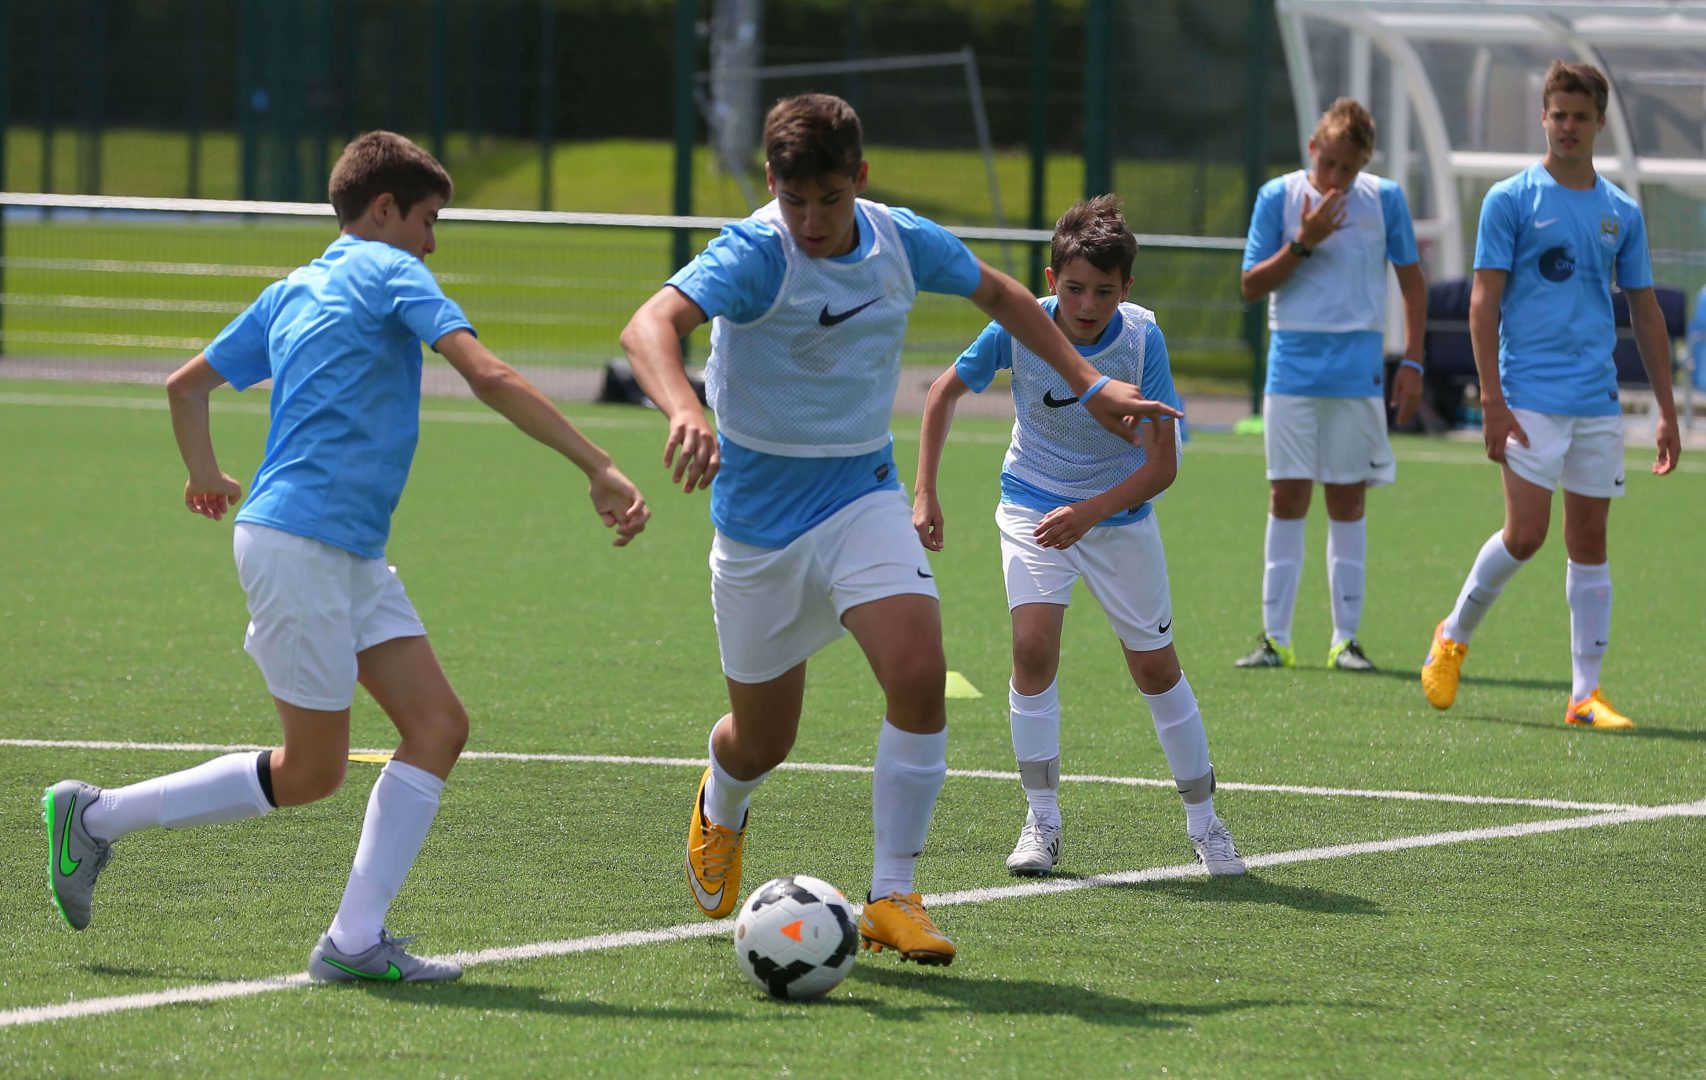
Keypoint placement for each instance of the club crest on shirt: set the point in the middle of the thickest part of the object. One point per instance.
(1609, 226)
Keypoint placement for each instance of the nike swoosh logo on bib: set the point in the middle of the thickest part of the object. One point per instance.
(824, 318)
(1057, 403)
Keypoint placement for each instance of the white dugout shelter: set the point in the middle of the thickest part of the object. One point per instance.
(1454, 86)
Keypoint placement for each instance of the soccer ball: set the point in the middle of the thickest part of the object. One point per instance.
(796, 937)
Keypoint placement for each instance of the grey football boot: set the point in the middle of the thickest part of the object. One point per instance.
(387, 961)
(1216, 851)
(74, 858)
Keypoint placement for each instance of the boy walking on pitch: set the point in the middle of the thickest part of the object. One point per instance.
(1319, 242)
(809, 300)
(1552, 239)
(340, 339)
(1075, 503)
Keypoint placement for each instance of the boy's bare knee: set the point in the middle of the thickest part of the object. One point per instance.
(1522, 543)
(298, 783)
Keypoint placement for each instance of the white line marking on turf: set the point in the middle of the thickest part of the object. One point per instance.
(39, 1014)
(833, 767)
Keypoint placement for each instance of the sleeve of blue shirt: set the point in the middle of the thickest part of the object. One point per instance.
(1400, 231)
(941, 262)
(1267, 224)
(240, 351)
(738, 275)
(1634, 265)
(418, 302)
(992, 351)
(1495, 237)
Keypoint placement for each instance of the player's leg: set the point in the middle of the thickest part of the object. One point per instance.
(1530, 473)
(1039, 584)
(299, 636)
(1347, 557)
(1593, 476)
(1290, 436)
(901, 636)
(1125, 568)
(1355, 455)
(404, 677)
(772, 610)
(1034, 719)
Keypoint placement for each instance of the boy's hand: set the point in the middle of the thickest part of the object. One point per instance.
(1498, 424)
(1118, 406)
(927, 519)
(619, 504)
(1324, 220)
(1406, 393)
(1066, 525)
(212, 497)
(698, 462)
(1670, 446)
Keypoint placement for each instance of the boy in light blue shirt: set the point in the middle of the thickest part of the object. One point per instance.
(340, 339)
(1319, 244)
(1553, 241)
(1076, 503)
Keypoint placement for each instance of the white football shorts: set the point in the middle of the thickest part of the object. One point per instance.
(1581, 454)
(775, 607)
(312, 607)
(1124, 567)
(1330, 440)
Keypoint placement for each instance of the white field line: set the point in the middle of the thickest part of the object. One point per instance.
(39, 1014)
(1241, 448)
(834, 767)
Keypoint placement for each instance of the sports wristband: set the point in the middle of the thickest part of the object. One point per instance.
(1094, 388)
(1411, 364)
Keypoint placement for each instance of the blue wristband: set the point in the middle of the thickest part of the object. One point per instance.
(1095, 387)
(1411, 364)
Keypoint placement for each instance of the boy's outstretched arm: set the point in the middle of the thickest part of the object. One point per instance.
(503, 389)
(208, 491)
(652, 340)
(1115, 405)
(945, 394)
(1066, 525)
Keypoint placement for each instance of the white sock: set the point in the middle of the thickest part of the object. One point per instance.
(908, 778)
(1035, 721)
(1179, 726)
(1494, 566)
(725, 797)
(1282, 566)
(1347, 551)
(1588, 588)
(399, 812)
(224, 789)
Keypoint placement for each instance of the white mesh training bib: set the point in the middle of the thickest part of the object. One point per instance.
(1342, 286)
(1056, 445)
(815, 376)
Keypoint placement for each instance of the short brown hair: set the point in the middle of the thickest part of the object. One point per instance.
(812, 135)
(1347, 119)
(1562, 78)
(380, 162)
(1094, 230)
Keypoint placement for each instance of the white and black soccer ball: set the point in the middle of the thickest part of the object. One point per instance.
(796, 937)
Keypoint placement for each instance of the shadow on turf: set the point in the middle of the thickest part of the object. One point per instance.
(502, 997)
(1029, 997)
(1251, 889)
(1411, 675)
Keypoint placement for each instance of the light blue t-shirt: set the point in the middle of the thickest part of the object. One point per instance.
(1314, 363)
(992, 351)
(1560, 248)
(1697, 339)
(341, 340)
(769, 500)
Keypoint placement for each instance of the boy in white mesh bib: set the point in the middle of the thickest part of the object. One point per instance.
(1076, 503)
(808, 300)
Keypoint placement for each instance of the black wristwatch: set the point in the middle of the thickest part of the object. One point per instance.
(1299, 250)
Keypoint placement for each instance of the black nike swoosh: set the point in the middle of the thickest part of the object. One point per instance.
(1166, 626)
(824, 318)
(923, 574)
(1057, 403)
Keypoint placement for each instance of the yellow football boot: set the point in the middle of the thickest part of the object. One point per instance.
(898, 921)
(1442, 669)
(1595, 711)
(713, 859)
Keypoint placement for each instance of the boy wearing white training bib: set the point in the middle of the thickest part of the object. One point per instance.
(1076, 503)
